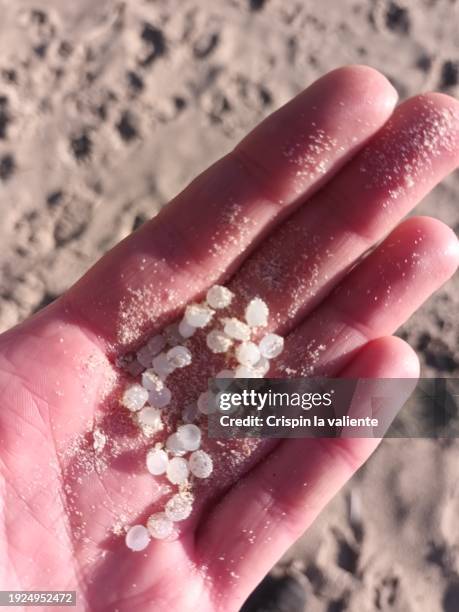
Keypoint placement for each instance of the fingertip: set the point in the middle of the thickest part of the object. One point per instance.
(437, 239)
(364, 83)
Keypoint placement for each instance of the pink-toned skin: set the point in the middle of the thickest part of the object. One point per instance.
(55, 369)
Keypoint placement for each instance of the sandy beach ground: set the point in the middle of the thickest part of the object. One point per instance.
(108, 109)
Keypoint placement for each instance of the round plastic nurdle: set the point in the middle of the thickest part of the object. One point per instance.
(206, 402)
(150, 417)
(256, 313)
(134, 397)
(157, 461)
(198, 315)
(237, 329)
(179, 356)
(161, 365)
(218, 342)
(190, 436)
(271, 346)
(248, 353)
(175, 445)
(179, 507)
(201, 464)
(156, 344)
(219, 296)
(185, 329)
(159, 526)
(137, 538)
(177, 470)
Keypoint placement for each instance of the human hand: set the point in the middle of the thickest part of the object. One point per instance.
(327, 178)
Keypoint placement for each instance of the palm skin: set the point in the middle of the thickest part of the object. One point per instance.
(293, 208)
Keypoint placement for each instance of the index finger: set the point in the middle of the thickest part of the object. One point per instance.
(204, 233)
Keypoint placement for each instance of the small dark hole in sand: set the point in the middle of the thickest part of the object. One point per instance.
(55, 198)
(257, 5)
(126, 127)
(449, 74)
(81, 147)
(156, 41)
(7, 167)
(398, 19)
(135, 81)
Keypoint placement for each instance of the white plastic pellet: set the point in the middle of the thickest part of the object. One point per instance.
(137, 538)
(156, 344)
(237, 329)
(271, 346)
(159, 526)
(185, 329)
(243, 371)
(200, 464)
(151, 381)
(157, 461)
(190, 436)
(206, 402)
(135, 397)
(177, 470)
(179, 507)
(175, 445)
(198, 315)
(219, 296)
(150, 417)
(179, 356)
(161, 365)
(247, 353)
(262, 366)
(256, 313)
(218, 341)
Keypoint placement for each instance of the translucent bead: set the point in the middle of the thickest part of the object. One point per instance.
(247, 353)
(236, 329)
(271, 346)
(135, 397)
(243, 371)
(175, 445)
(223, 379)
(156, 344)
(218, 341)
(190, 413)
(159, 526)
(144, 356)
(150, 417)
(206, 403)
(256, 313)
(161, 365)
(185, 329)
(177, 470)
(172, 335)
(160, 397)
(179, 356)
(157, 461)
(201, 464)
(225, 374)
(190, 436)
(198, 315)
(151, 381)
(179, 507)
(137, 538)
(219, 296)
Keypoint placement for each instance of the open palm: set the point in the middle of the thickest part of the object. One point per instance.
(288, 216)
